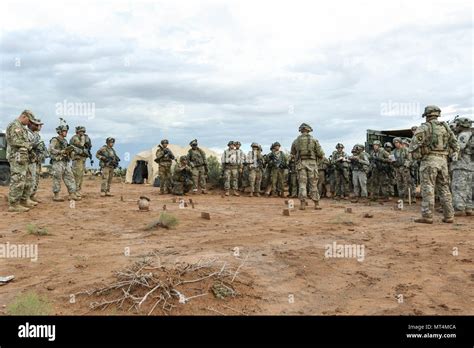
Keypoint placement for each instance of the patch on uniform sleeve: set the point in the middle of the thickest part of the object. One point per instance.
(419, 137)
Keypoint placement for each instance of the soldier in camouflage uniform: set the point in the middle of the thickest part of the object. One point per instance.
(341, 171)
(433, 142)
(231, 161)
(108, 162)
(463, 169)
(61, 154)
(197, 161)
(18, 147)
(390, 169)
(79, 157)
(292, 178)
(255, 163)
(307, 152)
(379, 176)
(243, 170)
(40, 154)
(164, 158)
(277, 162)
(413, 169)
(182, 177)
(323, 181)
(402, 168)
(360, 164)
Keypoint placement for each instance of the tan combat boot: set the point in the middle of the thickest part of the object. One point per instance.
(204, 192)
(28, 203)
(35, 199)
(73, 197)
(251, 194)
(317, 206)
(57, 198)
(459, 213)
(108, 194)
(102, 194)
(236, 193)
(79, 194)
(302, 204)
(17, 208)
(257, 194)
(448, 220)
(424, 220)
(469, 212)
(226, 193)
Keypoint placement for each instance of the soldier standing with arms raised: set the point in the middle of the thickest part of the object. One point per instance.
(433, 143)
(307, 152)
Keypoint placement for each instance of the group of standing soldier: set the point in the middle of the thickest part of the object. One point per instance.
(26, 152)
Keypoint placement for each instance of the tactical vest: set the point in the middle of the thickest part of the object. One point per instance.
(196, 157)
(305, 147)
(438, 139)
(62, 143)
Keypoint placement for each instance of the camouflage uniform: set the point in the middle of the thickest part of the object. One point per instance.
(323, 186)
(108, 162)
(255, 166)
(292, 178)
(18, 146)
(341, 172)
(197, 160)
(277, 162)
(463, 170)
(231, 161)
(433, 142)
(402, 169)
(360, 163)
(41, 152)
(61, 169)
(79, 157)
(164, 158)
(182, 177)
(307, 153)
(379, 178)
(390, 170)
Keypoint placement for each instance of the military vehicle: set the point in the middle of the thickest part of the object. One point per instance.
(385, 136)
(4, 166)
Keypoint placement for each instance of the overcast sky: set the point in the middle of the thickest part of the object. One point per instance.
(234, 70)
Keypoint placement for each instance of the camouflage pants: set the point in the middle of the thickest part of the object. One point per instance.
(62, 172)
(322, 189)
(379, 183)
(231, 177)
(164, 173)
(403, 181)
(107, 176)
(199, 178)
(255, 179)
(461, 187)
(276, 180)
(78, 169)
(244, 178)
(308, 179)
(359, 180)
(342, 182)
(181, 187)
(20, 180)
(434, 173)
(36, 179)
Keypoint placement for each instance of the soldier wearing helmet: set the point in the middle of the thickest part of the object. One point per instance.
(198, 163)
(61, 154)
(79, 156)
(276, 163)
(255, 164)
(182, 177)
(37, 155)
(402, 164)
(360, 167)
(341, 172)
(108, 162)
(433, 143)
(307, 153)
(463, 169)
(164, 157)
(379, 179)
(231, 161)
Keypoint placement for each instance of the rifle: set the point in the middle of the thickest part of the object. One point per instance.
(88, 147)
(168, 154)
(111, 161)
(276, 162)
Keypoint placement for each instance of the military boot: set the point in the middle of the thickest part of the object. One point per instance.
(79, 194)
(302, 204)
(227, 192)
(236, 193)
(448, 220)
(108, 194)
(317, 206)
(35, 199)
(469, 212)
(28, 203)
(102, 194)
(204, 192)
(17, 208)
(57, 198)
(257, 194)
(73, 197)
(424, 220)
(459, 213)
(251, 194)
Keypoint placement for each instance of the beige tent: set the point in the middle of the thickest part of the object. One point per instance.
(149, 156)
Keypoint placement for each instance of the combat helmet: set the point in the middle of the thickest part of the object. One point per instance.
(164, 141)
(377, 142)
(397, 140)
(432, 110)
(464, 122)
(388, 144)
(236, 142)
(193, 142)
(276, 143)
(305, 126)
(231, 143)
(254, 145)
(60, 129)
(110, 140)
(339, 146)
(183, 159)
(80, 129)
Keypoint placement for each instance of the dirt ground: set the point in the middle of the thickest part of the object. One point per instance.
(407, 268)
